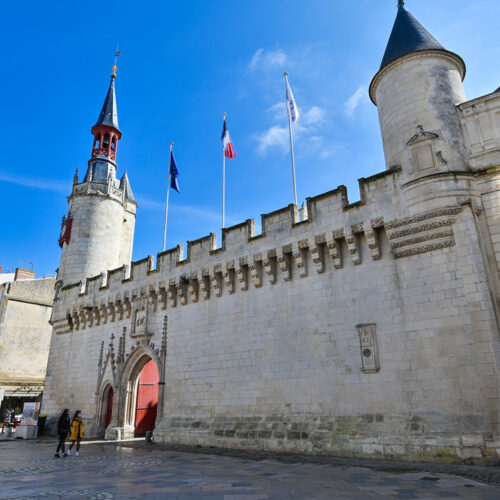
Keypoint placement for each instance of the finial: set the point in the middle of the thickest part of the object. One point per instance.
(224, 115)
(75, 177)
(401, 3)
(285, 73)
(115, 68)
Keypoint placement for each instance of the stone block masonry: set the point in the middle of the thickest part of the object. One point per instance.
(263, 345)
(367, 329)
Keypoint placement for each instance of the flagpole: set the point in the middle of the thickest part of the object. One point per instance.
(223, 180)
(166, 204)
(291, 147)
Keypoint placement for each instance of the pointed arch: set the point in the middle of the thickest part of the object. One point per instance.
(127, 379)
(103, 410)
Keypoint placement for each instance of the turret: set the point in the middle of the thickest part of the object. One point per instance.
(98, 232)
(416, 91)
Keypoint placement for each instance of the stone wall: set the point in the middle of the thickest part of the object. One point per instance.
(25, 332)
(353, 332)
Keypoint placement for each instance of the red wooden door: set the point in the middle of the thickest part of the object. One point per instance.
(147, 399)
(109, 409)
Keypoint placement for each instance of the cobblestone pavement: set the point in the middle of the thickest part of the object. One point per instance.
(135, 470)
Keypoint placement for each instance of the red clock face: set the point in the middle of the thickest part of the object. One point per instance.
(65, 231)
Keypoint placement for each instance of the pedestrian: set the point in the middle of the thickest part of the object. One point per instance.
(62, 432)
(77, 425)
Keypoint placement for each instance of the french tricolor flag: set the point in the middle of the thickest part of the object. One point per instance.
(227, 144)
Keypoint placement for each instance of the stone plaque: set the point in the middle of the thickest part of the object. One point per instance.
(140, 319)
(369, 349)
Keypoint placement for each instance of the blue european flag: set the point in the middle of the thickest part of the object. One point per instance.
(174, 172)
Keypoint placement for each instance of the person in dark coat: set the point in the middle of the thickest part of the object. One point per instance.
(63, 426)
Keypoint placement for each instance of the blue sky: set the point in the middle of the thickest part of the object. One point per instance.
(183, 64)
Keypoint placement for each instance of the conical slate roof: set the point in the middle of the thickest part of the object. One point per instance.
(407, 36)
(125, 187)
(109, 111)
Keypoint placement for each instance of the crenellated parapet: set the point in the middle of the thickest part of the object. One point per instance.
(336, 235)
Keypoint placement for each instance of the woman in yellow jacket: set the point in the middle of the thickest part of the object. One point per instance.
(77, 425)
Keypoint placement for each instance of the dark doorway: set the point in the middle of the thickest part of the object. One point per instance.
(109, 407)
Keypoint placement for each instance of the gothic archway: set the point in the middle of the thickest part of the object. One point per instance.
(126, 395)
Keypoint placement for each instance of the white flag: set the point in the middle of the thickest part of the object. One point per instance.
(291, 106)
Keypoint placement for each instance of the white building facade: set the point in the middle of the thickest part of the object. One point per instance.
(367, 329)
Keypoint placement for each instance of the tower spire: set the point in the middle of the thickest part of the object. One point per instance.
(115, 67)
(106, 131)
(407, 36)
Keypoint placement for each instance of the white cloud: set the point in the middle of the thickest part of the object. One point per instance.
(36, 183)
(313, 116)
(264, 59)
(355, 100)
(275, 136)
(278, 110)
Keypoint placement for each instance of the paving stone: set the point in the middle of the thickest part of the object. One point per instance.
(130, 470)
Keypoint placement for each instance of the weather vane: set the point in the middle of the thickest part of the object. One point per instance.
(117, 53)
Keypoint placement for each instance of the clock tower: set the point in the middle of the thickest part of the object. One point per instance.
(97, 233)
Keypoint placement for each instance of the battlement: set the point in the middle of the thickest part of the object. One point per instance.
(336, 233)
(100, 189)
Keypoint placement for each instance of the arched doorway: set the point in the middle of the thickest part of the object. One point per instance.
(147, 399)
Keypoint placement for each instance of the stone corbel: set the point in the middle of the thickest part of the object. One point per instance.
(76, 319)
(172, 292)
(111, 310)
(269, 266)
(193, 286)
(88, 312)
(300, 257)
(127, 305)
(372, 240)
(216, 280)
(318, 253)
(182, 288)
(352, 246)
(96, 317)
(153, 297)
(335, 250)
(284, 263)
(228, 276)
(241, 273)
(103, 313)
(83, 318)
(205, 283)
(255, 269)
(162, 288)
(119, 308)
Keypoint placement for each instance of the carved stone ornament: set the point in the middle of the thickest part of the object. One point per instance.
(421, 135)
(368, 346)
(140, 319)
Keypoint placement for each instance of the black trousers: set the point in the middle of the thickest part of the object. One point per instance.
(61, 446)
(77, 441)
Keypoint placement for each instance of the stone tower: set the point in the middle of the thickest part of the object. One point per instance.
(417, 90)
(98, 232)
